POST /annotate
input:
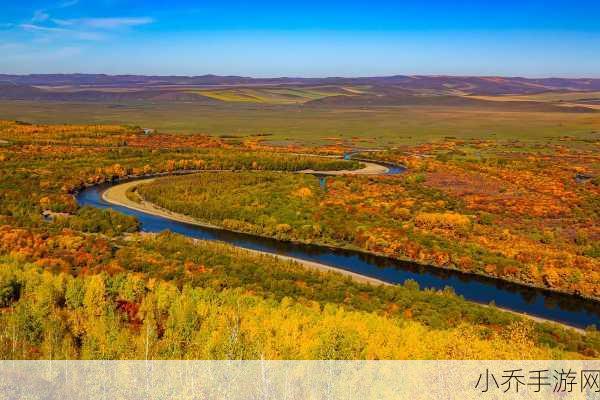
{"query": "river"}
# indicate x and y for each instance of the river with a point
(559, 307)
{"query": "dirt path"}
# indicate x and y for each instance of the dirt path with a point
(368, 169)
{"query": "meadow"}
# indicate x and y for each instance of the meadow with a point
(277, 95)
(362, 127)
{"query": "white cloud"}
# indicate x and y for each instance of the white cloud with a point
(63, 32)
(62, 22)
(102, 23)
(40, 16)
(39, 28)
(89, 35)
(85, 29)
(68, 3)
(116, 22)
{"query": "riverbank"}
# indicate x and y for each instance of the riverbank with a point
(117, 195)
(368, 169)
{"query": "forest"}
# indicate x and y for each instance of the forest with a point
(474, 206)
(128, 316)
(83, 283)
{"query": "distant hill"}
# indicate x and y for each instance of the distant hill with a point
(23, 92)
(441, 101)
(470, 85)
(396, 90)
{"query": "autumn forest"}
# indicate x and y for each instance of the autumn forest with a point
(87, 283)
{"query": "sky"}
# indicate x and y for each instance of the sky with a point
(531, 38)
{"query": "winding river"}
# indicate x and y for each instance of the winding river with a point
(559, 307)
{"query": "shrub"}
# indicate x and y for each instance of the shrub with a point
(448, 220)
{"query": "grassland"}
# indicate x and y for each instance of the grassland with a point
(545, 97)
(276, 95)
(359, 127)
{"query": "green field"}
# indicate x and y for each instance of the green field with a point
(277, 95)
(382, 126)
(546, 97)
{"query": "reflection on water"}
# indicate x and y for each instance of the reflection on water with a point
(322, 182)
(555, 306)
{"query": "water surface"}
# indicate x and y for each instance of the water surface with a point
(559, 307)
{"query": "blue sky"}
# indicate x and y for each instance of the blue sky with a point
(305, 38)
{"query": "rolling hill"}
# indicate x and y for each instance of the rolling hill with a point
(447, 91)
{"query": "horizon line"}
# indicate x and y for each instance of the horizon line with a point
(299, 77)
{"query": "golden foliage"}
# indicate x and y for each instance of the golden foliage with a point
(303, 193)
(447, 220)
